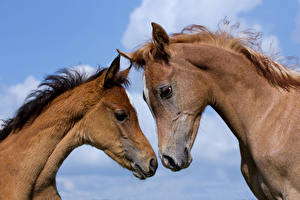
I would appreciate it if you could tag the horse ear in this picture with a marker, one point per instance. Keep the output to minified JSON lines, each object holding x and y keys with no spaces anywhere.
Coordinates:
{"x":122,"y":76}
{"x":112,"y":71}
{"x":161,"y":40}
{"x":129,"y":56}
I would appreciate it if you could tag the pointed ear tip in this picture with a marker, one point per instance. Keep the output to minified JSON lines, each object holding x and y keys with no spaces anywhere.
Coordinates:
{"x":154,"y":25}
{"x":126,"y":55}
{"x":116,"y":60}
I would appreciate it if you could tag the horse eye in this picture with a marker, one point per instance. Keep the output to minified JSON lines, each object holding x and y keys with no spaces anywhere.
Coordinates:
{"x":120,"y":115}
{"x":166,"y":92}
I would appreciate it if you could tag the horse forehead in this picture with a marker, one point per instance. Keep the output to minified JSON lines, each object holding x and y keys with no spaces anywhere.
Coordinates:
{"x":119,"y":96}
{"x":157,"y":73}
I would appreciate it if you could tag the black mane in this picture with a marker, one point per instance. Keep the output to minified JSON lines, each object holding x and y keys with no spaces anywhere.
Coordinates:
{"x":52,"y":86}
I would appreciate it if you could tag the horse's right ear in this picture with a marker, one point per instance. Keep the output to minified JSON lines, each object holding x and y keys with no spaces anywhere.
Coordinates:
{"x":112,"y":71}
{"x":129,"y":56}
{"x":161,"y":41}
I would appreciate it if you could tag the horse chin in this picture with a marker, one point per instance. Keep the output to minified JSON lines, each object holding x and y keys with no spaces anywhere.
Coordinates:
{"x":138,"y":172}
{"x":138,"y":175}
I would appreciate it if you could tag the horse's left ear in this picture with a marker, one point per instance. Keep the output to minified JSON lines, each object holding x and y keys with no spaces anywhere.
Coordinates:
{"x":129,"y":56}
{"x":161,"y":41}
{"x":112,"y":71}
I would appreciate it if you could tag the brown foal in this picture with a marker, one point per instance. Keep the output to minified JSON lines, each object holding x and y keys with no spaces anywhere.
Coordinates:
{"x":70,"y":111}
{"x":258,"y":98}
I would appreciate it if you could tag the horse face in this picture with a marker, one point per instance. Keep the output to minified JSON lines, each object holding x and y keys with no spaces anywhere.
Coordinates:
{"x":176,"y":92}
{"x":176,"y":102}
{"x":113,"y":127}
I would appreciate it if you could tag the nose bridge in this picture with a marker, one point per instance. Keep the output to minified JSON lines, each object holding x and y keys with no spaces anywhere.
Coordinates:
{"x":145,"y":150}
{"x":175,"y":146}
{"x":174,"y":150}
{"x":172,"y":139}
{"x":145,"y":158}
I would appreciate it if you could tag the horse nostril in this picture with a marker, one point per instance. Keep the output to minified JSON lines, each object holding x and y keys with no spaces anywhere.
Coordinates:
{"x":169,"y":162}
{"x":153,"y":166}
{"x":188,"y":158}
{"x":186,"y":152}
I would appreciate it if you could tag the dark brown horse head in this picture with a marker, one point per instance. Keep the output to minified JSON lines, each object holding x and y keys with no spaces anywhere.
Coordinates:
{"x":94,"y":111}
{"x":113,"y":126}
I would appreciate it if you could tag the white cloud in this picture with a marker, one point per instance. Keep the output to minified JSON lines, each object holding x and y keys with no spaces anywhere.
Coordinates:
{"x":270,"y":44}
{"x":87,"y":156}
{"x":20,"y":91}
{"x":11,"y":97}
{"x":146,"y":120}
{"x":66,"y":183}
{"x":174,"y":15}
{"x":164,"y":185}
{"x":84,"y":69}
{"x":215,"y":141}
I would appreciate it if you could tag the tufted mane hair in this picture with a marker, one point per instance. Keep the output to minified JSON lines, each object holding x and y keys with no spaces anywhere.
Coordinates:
{"x":50,"y":88}
{"x":246,"y":43}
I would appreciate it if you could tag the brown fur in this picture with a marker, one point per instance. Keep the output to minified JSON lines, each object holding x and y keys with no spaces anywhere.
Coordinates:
{"x":222,"y":71}
{"x":80,"y":112}
{"x":50,"y":88}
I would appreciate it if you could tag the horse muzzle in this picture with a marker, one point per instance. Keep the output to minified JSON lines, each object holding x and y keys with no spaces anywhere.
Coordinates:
{"x":142,"y":171}
{"x":176,"y":161}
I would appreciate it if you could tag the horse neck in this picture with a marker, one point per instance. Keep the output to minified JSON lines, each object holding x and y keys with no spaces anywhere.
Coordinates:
{"x":242,"y":97}
{"x":30,"y":148}
{"x":60,"y":153}
{"x":75,"y":137}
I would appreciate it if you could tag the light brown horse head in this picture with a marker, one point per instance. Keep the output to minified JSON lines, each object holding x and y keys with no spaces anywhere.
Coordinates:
{"x":112,"y":126}
{"x":166,"y":78}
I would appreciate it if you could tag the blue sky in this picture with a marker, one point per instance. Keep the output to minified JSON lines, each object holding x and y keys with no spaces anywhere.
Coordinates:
{"x":39,"y":37}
